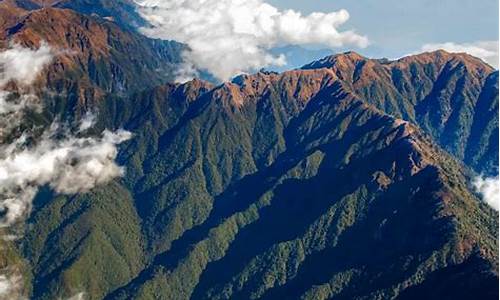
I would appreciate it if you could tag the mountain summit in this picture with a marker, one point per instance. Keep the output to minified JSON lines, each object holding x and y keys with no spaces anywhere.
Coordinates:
{"x":350,"y":178}
{"x":450,"y":96}
{"x":277,"y":186}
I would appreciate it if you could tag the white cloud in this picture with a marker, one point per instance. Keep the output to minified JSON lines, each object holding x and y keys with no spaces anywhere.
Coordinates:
{"x":489,"y":189}
{"x":14,"y":104}
{"x":186,"y":71}
{"x":12,"y":109}
{"x":79,"y":296}
{"x":228,"y":37}
{"x":23,"y":65}
{"x":10,"y":286}
{"x":86,"y":122}
{"x":485,"y":50}
{"x":69,"y":165}
{"x":66,"y":162}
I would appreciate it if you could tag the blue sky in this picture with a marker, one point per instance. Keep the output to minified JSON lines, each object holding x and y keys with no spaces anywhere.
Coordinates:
{"x":398,"y":27}
{"x":252,"y":34}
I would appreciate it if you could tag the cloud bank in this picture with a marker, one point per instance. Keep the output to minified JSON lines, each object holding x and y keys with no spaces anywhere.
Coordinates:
{"x":10,"y":285}
{"x":229,"y":37}
{"x":489,"y":188}
{"x":69,"y":165}
{"x":63,"y":160}
{"x":485,"y":50}
{"x":23,"y":65}
{"x":60,"y":157}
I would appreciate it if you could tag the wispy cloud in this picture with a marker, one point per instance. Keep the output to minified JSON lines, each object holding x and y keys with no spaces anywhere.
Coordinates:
{"x":11,"y":285}
{"x":87,"y":122}
{"x":60,"y":157}
{"x":68,"y":164}
{"x":228,"y":37}
{"x":485,"y":50}
{"x":20,"y":66}
{"x":489,"y":188}
{"x":23,"y":65}
{"x":79,"y":296}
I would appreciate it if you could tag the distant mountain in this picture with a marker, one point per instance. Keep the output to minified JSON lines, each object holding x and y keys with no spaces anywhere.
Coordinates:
{"x":349,"y":178}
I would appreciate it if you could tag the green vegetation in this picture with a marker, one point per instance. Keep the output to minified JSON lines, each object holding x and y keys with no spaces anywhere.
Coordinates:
{"x":221,"y":201}
{"x":349,"y":179}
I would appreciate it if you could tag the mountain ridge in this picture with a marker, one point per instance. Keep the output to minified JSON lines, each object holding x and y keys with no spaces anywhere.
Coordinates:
{"x":403,"y":125}
{"x":338,"y":181}
{"x":92,"y":55}
{"x":421,"y":88}
{"x":209,"y":142}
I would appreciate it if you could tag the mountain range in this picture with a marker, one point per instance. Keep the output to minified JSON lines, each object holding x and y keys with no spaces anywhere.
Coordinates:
{"x":347,"y":178}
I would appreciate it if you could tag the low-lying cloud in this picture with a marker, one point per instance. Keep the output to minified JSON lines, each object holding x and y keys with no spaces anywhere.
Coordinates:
{"x":23,"y":65}
{"x":10,"y":286}
{"x":485,"y":50}
{"x":59,"y":158}
{"x":489,"y":188}
{"x":64,"y":158}
{"x":68,"y":164}
{"x":20,"y":66}
{"x":229,"y":37}
{"x":79,"y":296}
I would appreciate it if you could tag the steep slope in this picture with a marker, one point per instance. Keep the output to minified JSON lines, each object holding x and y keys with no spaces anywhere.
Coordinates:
{"x":103,"y":230}
{"x":312,"y":184}
{"x":350,"y":182}
{"x":93,"y":56}
{"x":122,"y":12}
{"x":272,"y":186}
{"x":481,"y":151}
{"x":11,"y":14}
{"x":439,"y":91}
{"x":90,"y":243}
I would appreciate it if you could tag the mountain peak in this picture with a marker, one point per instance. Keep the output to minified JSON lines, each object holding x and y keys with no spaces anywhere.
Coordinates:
{"x":99,"y":55}
{"x":442,"y":57}
{"x":349,"y":60}
{"x":271,"y":186}
{"x":352,"y":54}
{"x":300,"y":85}
{"x":342,"y":60}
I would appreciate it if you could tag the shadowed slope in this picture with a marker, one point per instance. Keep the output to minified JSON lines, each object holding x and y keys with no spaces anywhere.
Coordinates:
{"x":93,"y":56}
{"x":271,"y":186}
{"x":439,"y":91}
{"x":348,"y":175}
